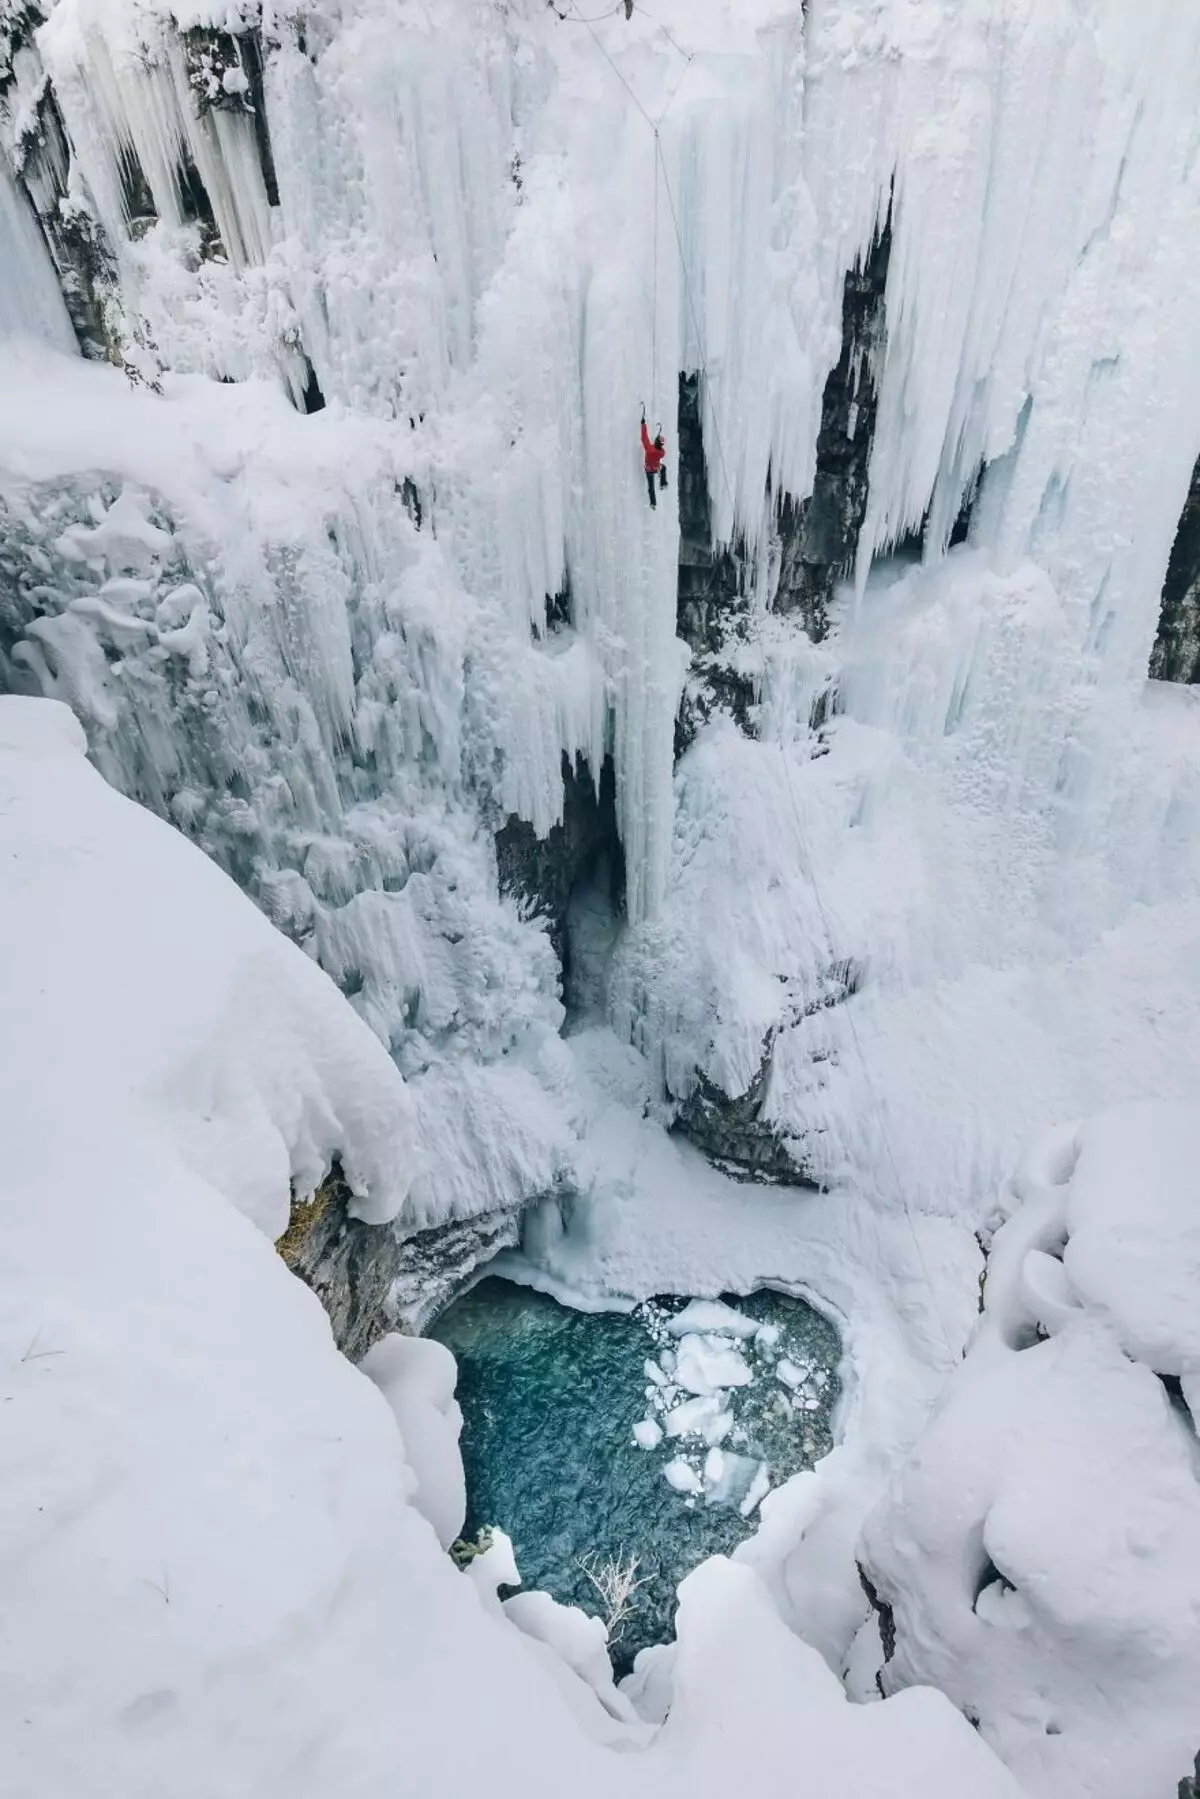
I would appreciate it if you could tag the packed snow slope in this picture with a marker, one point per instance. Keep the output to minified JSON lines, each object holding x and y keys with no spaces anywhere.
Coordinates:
{"x":220,"y":1542}
{"x":321,"y":644}
{"x":1041,"y":1547}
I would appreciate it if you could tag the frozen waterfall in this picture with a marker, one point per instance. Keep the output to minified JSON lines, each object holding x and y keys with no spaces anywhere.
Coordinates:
{"x":342,"y":618}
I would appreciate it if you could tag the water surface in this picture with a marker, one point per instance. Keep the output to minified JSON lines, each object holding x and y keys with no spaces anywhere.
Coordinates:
{"x":550,"y":1397}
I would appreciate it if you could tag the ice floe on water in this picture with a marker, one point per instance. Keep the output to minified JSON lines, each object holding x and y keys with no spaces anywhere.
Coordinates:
{"x":592,"y":1454}
{"x":732,"y":1367}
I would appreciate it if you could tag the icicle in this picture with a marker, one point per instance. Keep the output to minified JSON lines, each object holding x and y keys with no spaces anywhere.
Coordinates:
{"x":30,"y":299}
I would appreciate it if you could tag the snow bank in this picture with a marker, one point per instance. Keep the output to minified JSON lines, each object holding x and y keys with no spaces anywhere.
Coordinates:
{"x":182,"y":1007}
{"x":216,"y":1577}
{"x":1041,"y":1548}
{"x":417,"y":1377}
{"x":734,"y":1652}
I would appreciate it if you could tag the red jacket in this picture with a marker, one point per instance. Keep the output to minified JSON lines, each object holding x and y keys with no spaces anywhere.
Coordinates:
{"x":654,"y":456}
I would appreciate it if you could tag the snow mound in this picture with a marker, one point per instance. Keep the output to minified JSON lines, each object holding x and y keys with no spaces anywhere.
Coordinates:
{"x":708,"y":1364}
{"x":417,"y":1378}
{"x":1041,"y":1547}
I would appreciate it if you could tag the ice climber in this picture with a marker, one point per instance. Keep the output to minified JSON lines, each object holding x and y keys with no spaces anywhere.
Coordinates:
{"x":656,"y":459}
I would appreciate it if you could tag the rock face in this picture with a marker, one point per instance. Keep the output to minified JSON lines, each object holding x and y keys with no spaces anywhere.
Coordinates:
{"x":886,"y":1617}
{"x":41,"y":160}
{"x":710,"y":597}
{"x":371,"y":1278}
{"x":818,"y":536}
{"x":817,"y":543}
{"x":1189,"y":1786}
{"x":732,"y":1134}
{"x":541,"y":873}
{"x":1176,"y":653}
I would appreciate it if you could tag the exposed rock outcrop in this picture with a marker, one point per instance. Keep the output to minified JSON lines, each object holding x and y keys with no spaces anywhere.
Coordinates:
{"x":818,"y":536}
{"x":733,"y":1135}
{"x":541,"y":873}
{"x":731,"y":1130}
{"x":372,"y":1278}
{"x":1176,"y":653}
{"x":710,"y":596}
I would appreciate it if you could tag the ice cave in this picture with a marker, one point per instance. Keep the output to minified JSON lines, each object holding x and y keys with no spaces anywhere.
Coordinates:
{"x":599,"y":898}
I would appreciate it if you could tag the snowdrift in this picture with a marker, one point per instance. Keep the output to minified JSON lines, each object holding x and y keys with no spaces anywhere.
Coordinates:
{"x":1040,"y":1550}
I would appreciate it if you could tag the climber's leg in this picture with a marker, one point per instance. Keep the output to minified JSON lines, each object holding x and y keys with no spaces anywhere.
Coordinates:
{"x":662,"y":476}
{"x":650,"y":488}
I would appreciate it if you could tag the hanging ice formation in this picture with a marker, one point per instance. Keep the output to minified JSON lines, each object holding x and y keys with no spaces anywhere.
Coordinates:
{"x":323,"y":646}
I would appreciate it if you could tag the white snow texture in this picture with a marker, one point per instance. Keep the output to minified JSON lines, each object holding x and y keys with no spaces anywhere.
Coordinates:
{"x":1042,"y":1546}
{"x":337,"y":649}
{"x":218,"y":1577}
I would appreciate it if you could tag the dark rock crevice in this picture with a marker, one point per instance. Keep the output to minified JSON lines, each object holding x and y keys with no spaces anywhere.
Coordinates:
{"x":1176,"y":652}
{"x":711,"y":609}
{"x":887,"y":1623}
{"x":41,"y":164}
{"x":542,"y":873}
{"x":225,"y":74}
{"x":818,"y":536}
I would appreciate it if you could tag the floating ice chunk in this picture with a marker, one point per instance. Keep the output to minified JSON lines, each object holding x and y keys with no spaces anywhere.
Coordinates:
{"x":766,"y":1337}
{"x":704,"y":1416}
{"x":717,"y":1427}
{"x":647,"y":1434}
{"x":654,"y":1373}
{"x":682,"y":1477}
{"x":790,"y":1373}
{"x":757,"y":1491}
{"x":714,"y":1318}
{"x":729,"y":1480}
{"x":706,"y":1364}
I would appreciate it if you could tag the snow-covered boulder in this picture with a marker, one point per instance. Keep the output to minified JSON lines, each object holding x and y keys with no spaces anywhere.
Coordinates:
{"x":417,"y":1378}
{"x":1040,"y":1550}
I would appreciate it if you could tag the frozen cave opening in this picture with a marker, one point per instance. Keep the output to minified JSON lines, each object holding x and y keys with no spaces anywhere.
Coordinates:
{"x":639,"y":1441}
{"x":573,"y":878}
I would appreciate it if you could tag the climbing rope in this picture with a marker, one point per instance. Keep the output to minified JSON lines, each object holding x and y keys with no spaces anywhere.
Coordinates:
{"x":577,"y":17}
{"x":654,"y":294}
{"x":807,"y":867}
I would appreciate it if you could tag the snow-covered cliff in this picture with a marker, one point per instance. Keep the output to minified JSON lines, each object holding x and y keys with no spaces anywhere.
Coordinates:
{"x":342,"y":619}
{"x":839,"y":789}
{"x":342,"y":646}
